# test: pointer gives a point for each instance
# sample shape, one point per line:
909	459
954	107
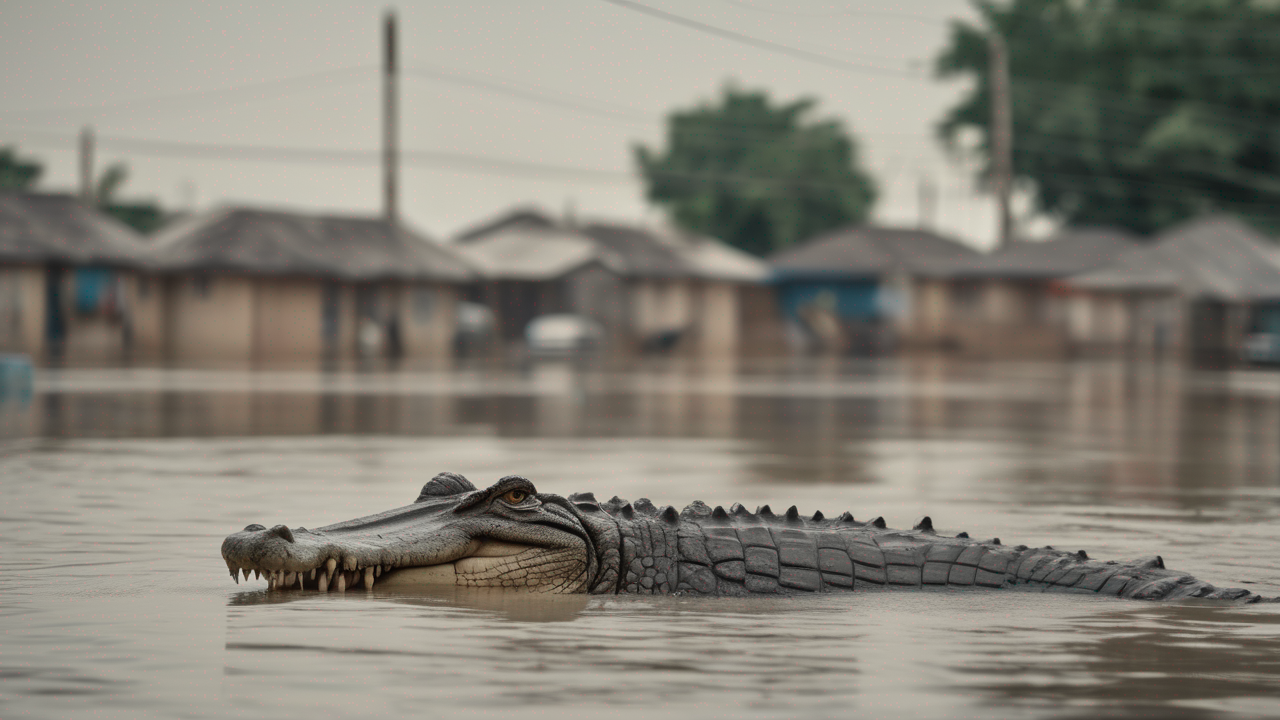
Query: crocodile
512	536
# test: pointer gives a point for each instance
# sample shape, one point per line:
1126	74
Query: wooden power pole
86	165
1001	133
390	122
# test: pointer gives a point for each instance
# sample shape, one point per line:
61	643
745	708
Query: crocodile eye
515	497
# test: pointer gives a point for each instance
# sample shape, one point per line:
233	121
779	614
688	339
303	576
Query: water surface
120	484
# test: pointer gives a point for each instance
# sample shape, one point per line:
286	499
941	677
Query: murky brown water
118	486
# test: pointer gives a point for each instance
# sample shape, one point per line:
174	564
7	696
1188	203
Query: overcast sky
562	84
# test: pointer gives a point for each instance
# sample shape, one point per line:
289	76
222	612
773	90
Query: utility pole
926	202
86	165
390	122
1001	133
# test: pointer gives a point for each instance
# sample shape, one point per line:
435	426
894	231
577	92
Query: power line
488	164
307	81
855	12
762	44
589	106
485	164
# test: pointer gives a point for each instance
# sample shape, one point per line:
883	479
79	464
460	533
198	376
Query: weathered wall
928	321
661	305
211	318
22	312
287	320
717	322
145	296
595	292
760	322
428	315
1011	319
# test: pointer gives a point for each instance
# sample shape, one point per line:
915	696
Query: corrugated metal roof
527	244
642	254
1216	257
712	259
533	253
1069	252
271	242
868	251
519	218
61	228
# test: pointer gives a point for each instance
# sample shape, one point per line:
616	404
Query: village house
648	289
247	284
1014	303
735	310
1201	289
865	289
73	285
529	266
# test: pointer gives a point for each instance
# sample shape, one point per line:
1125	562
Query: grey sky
629	67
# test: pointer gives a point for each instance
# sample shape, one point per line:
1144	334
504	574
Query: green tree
757	175
16	173
145	216
1138	113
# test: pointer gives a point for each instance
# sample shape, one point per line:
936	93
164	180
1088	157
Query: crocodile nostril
282	531
254	527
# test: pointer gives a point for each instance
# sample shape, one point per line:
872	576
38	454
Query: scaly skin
512	536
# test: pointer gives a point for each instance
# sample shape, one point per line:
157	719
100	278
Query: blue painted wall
854	299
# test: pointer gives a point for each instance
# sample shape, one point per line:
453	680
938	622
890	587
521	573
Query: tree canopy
17	173
1137	113
145	216
758	175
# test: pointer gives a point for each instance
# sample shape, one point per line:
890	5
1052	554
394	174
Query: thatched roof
38	228
870	251
1216	257
270	242
1069	252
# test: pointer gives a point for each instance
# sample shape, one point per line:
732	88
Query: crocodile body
512	536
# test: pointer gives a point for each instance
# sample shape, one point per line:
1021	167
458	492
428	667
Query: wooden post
1001	133
390	121
86	165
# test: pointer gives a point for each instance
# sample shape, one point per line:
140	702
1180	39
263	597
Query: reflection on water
119	485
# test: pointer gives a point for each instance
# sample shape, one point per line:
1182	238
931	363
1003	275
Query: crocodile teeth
246	573
323	582
257	574
342	582
368	578
289	579
313	573
331	565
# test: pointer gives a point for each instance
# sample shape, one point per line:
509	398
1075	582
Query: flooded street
119	485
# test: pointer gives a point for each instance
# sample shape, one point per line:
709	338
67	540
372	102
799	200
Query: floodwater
119	485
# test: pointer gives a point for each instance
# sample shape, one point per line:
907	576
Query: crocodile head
509	535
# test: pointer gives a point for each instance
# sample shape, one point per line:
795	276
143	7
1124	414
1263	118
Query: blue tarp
93	285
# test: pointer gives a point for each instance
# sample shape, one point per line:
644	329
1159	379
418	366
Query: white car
562	335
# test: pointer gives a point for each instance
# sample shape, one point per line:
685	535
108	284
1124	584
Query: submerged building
648	288
1015	302
865	289
1201	288
73	281
248	284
